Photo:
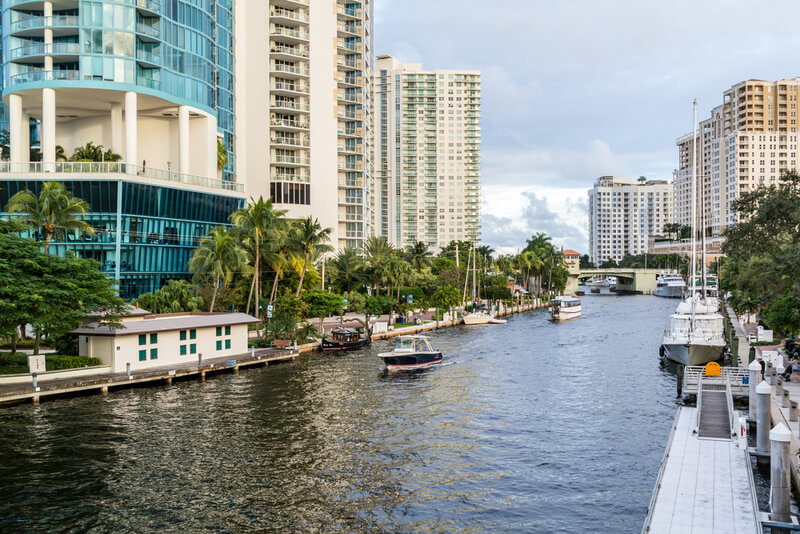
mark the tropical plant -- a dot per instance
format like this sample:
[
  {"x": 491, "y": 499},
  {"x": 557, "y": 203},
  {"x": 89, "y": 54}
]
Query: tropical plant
[
  {"x": 94, "y": 153},
  {"x": 176, "y": 296},
  {"x": 348, "y": 267},
  {"x": 222, "y": 154},
  {"x": 53, "y": 209},
  {"x": 220, "y": 256},
  {"x": 418, "y": 255},
  {"x": 309, "y": 238},
  {"x": 377, "y": 251}
]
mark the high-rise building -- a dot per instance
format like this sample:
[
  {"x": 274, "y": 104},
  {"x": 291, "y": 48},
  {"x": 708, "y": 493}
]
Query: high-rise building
[
  {"x": 152, "y": 82},
  {"x": 748, "y": 140},
  {"x": 304, "y": 109},
  {"x": 427, "y": 154},
  {"x": 624, "y": 214}
]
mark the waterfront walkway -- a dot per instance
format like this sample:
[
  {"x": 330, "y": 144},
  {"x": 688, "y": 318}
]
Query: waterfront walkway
[
  {"x": 101, "y": 383},
  {"x": 703, "y": 486}
]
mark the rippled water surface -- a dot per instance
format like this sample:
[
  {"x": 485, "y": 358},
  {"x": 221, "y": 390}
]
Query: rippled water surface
[{"x": 526, "y": 427}]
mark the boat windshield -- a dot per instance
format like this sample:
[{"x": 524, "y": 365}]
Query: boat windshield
[{"x": 405, "y": 344}]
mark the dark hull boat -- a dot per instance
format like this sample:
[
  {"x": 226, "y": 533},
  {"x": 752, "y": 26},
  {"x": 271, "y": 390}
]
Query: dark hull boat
[
  {"x": 345, "y": 339},
  {"x": 411, "y": 352}
]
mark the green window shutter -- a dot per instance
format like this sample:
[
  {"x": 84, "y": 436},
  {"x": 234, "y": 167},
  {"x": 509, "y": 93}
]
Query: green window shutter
[
  {"x": 227, "y": 330},
  {"x": 219, "y": 330},
  {"x": 153, "y": 354},
  {"x": 153, "y": 338},
  {"x": 192, "y": 349},
  {"x": 183, "y": 350},
  {"x": 143, "y": 355},
  {"x": 227, "y": 343},
  {"x": 192, "y": 334},
  {"x": 219, "y": 344},
  {"x": 183, "y": 335},
  {"x": 142, "y": 339}
]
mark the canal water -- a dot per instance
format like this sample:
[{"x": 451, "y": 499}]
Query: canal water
[{"x": 526, "y": 427}]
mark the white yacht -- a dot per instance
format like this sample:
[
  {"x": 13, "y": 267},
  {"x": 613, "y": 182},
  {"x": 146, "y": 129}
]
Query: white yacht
[
  {"x": 694, "y": 337},
  {"x": 475, "y": 318},
  {"x": 670, "y": 285},
  {"x": 562, "y": 308}
]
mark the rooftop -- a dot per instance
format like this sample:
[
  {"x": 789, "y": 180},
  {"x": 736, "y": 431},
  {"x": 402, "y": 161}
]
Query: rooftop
[{"x": 166, "y": 322}]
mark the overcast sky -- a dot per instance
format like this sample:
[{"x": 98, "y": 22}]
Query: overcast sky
[{"x": 576, "y": 89}]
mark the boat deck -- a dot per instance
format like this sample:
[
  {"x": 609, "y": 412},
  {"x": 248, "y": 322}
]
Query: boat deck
[{"x": 704, "y": 484}]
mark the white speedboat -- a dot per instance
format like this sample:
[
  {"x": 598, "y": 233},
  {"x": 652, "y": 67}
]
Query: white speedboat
[
  {"x": 562, "y": 308},
  {"x": 411, "y": 352},
  {"x": 495, "y": 320},
  {"x": 670, "y": 285},
  {"x": 476, "y": 318}
]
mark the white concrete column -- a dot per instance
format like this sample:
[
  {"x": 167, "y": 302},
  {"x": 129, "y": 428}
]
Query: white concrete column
[
  {"x": 131, "y": 116},
  {"x": 48, "y": 129},
  {"x": 25, "y": 135},
  {"x": 48, "y": 39},
  {"x": 780, "y": 473},
  {"x": 116, "y": 128},
  {"x": 211, "y": 136},
  {"x": 183, "y": 139},
  {"x": 15, "y": 130}
]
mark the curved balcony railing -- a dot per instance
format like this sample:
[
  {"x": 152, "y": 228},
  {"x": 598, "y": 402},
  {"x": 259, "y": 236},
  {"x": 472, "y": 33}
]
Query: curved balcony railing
[
  {"x": 149, "y": 83},
  {"x": 44, "y": 76},
  {"x": 150, "y": 5},
  {"x": 87, "y": 167},
  {"x": 146, "y": 29},
  {"x": 150, "y": 57},
  {"x": 41, "y": 49},
  {"x": 54, "y": 21}
]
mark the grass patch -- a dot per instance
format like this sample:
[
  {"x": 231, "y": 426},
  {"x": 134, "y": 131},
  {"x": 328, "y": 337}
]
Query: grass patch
[
  {"x": 766, "y": 343},
  {"x": 18, "y": 363}
]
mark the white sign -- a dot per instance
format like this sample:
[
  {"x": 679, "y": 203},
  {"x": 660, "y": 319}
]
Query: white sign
[
  {"x": 269, "y": 314},
  {"x": 36, "y": 364},
  {"x": 269, "y": 308}
]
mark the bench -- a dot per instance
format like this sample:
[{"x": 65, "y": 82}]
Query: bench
[{"x": 282, "y": 343}]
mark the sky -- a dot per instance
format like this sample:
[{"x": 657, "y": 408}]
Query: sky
[{"x": 577, "y": 89}]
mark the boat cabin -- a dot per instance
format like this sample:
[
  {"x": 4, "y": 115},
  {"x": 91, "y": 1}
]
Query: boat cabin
[
  {"x": 345, "y": 335},
  {"x": 412, "y": 344},
  {"x": 565, "y": 302}
]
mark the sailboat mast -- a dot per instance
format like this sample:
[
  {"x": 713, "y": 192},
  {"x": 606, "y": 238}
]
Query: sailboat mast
[
  {"x": 474, "y": 272},
  {"x": 693, "y": 278}
]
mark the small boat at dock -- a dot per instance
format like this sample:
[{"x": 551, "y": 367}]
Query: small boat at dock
[
  {"x": 562, "y": 308},
  {"x": 411, "y": 352},
  {"x": 345, "y": 339},
  {"x": 475, "y": 318}
]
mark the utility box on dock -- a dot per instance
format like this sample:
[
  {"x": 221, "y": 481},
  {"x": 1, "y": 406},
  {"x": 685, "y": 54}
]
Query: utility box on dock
[{"x": 36, "y": 364}]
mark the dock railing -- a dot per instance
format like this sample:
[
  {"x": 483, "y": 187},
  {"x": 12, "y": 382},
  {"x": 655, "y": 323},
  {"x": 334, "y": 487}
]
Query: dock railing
[
  {"x": 699, "y": 402},
  {"x": 737, "y": 377},
  {"x": 729, "y": 398}
]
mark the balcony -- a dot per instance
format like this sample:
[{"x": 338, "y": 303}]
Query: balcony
[
  {"x": 291, "y": 160},
  {"x": 289, "y": 124},
  {"x": 289, "y": 52},
  {"x": 37, "y": 50},
  {"x": 147, "y": 32},
  {"x": 284, "y": 15},
  {"x": 283, "y": 177},
  {"x": 289, "y": 88},
  {"x": 150, "y": 58},
  {"x": 289, "y": 141},
  {"x": 349, "y": 12},
  {"x": 151, "y": 6},
  {"x": 33, "y": 26},
  {"x": 44, "y": 76},
  {"x": 289, "y": 71},
  {"x": 77, "y": 170},
  {"x": 288, "y": 34},
  {"x": 287, "y": 105},
  {"x": 149, "y": 83}
]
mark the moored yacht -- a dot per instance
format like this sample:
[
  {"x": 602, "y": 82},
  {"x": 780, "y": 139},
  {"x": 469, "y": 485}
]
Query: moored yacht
[
  {"x": 670, "y": 285},
  {"x": 477, "y": 317},
  {"x": 562, "y": 308},
  {"x": 694, "y": 337},
  {"x": 411, "y": 352}
]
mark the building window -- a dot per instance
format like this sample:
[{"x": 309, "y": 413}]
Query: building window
[
  {"x": 183, "y": 335},
  {"x": 153, "y": 338},
  {"x": 227, "y": 330},
  {"x": 142, "y": 339},
  {"x": 143, "y": 355},
  {"x": 219, "y": 344},
  {"x": 192, "y": 349},
  {"x": 183, "y": 350},
  {"x": 227, "y": 343},
  {"x": 153, "y": 354},
  {"x": 219, "y": 330},
  {"x": 192, "y": 334}
]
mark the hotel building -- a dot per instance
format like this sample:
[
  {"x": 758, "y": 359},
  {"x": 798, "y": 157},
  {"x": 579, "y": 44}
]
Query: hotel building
[
  {"x": 152, "y": 82},
  {"x": 745, "y": 143},
  {"x": 427, "y": 154},
  {"x": 303, "y": 103},
  {"x": 624, "y": 214}
]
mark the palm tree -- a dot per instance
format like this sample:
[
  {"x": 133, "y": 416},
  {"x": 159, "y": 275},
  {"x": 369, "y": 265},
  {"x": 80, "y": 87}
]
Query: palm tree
[
  {"x": 94, "y": 153},
  {"x": 222, "y": 155},
  {"x": 376, "y": 252},
  {"x": 418, "y": 255},
  {"x": 220, "y": 256},
  {"x": 257, "y": 222},
  {"x": 349, "y": 265},
  {"x": 309, "y": 238},
  {"x": 54, "y": 208}
]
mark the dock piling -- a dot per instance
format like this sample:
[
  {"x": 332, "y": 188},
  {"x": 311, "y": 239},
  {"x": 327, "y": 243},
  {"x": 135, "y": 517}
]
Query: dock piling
[
  {"x": 128, "y": 370},
  {"x": 793, "y": 411},
  {"x": 779, "y": 389},
  {"x": 786, "y": 399},
  {"x": 763, "y": 392},
  {"x": 104, "y": 390},
  {"x": 35, "y": 381},
  {"x": 680, "y": 379},
  {"x": 755, "y": 369},
  {"x": 780, "y": 484}
]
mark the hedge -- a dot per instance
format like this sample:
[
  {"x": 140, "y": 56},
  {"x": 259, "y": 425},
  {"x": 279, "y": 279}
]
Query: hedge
[{"x": 18, "y": 363}]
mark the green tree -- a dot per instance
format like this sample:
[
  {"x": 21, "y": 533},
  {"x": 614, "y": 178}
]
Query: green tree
[
  {"x": 53, "y": 209},
  {"x": 321, "y": 304},
  {"x": 176, "y": 296},
  {"x": 377, "y": 251},
  {"x": 220, "y": 256},
  {"x": 309, "y": 238},
  {"x": 586, "y": 263},
  {"x": 348, "y": 267},
  {"x": 222, "y": 155},
  {"x": 94, "y": 153},
  {"x": 418, "y": 255}
]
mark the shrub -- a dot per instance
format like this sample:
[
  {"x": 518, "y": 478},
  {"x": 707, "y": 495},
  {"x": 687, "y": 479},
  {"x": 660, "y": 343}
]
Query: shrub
[{"x": 18, "y": 363}]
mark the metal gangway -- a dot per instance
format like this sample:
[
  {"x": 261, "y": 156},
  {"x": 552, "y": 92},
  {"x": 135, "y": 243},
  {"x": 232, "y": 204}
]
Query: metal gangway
[
  {"x": 715, "y": 415},
  {"x": 737, "y": 377}
]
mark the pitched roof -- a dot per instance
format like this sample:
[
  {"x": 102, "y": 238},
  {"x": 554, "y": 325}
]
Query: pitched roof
[
  {"x": 164, "y": 323},
  {"x": 570, "y": 252}
]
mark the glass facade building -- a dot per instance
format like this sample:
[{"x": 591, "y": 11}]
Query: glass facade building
[{"x": 159, "y": 227}]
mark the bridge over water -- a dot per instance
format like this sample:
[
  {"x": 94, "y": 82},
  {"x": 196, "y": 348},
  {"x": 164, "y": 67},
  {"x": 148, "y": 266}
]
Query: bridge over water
[{"x": 629, "y": 279}]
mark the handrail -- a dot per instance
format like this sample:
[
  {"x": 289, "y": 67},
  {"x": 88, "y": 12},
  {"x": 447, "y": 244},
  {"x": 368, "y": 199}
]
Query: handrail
[
  {"x": 729, "y": 398},
  {"x": 699, "y": 403}
]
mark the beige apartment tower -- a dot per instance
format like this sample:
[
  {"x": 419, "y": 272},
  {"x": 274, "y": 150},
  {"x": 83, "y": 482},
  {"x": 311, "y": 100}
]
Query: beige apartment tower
[
  {"x": 745, "y": 143},
  {"x": 427, "y": 154},
  {"x": 303, "y": 109}
]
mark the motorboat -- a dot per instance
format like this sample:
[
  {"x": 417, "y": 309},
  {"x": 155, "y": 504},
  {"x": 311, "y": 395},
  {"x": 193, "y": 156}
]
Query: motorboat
[
  {"x": 476, "y": 318},
  {"x": 345, "y": 339},
  {"x": 411, "y": 352},
  {"x": 563, "y": 308},
  {"x": 670, "y": 285},
  {"x": 495, "y": 320}
]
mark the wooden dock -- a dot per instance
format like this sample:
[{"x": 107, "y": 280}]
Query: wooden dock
[
  {"x": 705, "y": 485},
  {"x": 15, "y": 394}
]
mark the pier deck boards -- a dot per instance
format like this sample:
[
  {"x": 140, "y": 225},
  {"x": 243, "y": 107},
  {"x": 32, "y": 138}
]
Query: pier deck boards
[
  {"x": 714, "y": 415},
  {"x": 703, "y": 486}
]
